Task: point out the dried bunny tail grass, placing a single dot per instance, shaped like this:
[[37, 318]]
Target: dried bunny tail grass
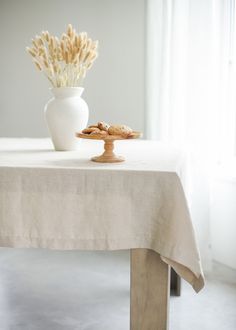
[[91, 59], [56, 68], [45, 56], [89, 65], [51, 70], [84, 44], [57, 41], [84, 36], [62, 46], [73, 34], [79, 41], [88, 43], [59, 56], [70, 46], [69, 30], [40, 41], [47, 36], [52, 42], [63, 61], [95, 44], [82, 56], [76, 58], [37, 65], [83, 72], [76, 41], [34, 43], [41, 51], [94, 57], [66, 57], [31, 51], [46, 64], [88, 56], [64, 37]]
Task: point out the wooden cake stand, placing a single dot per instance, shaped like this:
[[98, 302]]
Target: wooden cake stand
[[108, 155]]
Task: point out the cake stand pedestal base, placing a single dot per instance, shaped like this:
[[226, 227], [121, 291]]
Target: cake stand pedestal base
[[108, 156]]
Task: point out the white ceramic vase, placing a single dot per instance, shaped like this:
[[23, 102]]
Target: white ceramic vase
[[66, 113]]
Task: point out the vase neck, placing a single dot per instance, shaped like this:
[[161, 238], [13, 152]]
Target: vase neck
[[64, 92]]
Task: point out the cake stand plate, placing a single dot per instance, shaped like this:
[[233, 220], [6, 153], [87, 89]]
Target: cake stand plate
[[108, 155]]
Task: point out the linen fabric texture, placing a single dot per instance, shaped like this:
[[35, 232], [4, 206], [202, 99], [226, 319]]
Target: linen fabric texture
[[62, 200]]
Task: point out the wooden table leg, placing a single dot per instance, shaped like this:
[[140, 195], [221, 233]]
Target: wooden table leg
[[149, 290], [175, 283]]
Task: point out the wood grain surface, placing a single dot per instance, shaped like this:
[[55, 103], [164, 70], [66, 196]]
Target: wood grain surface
[[150, 291]]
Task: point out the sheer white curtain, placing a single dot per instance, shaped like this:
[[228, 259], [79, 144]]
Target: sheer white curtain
[[188, 50]]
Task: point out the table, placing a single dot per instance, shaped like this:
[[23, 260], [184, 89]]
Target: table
[[62, 200]]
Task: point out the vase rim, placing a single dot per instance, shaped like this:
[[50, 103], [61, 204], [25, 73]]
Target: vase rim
[[66, 91], [66, 87]]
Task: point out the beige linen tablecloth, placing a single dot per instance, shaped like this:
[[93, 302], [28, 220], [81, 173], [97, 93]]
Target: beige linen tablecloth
[[62, 200]]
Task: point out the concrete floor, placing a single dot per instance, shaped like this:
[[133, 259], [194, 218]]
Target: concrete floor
[[72, 290]]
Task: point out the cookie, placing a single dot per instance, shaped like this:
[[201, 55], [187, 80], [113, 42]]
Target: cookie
[[103, 126], [121, 130], [102, 133], [89, 130]]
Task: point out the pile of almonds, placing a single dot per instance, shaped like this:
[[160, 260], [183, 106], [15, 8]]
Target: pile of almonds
[[103, 129]]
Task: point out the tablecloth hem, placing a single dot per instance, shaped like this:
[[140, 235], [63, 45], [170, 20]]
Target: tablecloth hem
[[196, 280]]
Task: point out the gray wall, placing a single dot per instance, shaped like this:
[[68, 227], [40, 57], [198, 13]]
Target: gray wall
[[114, 88]]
